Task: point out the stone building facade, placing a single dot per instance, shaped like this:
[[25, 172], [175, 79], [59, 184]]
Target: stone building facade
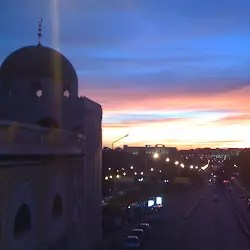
[[50, 155]]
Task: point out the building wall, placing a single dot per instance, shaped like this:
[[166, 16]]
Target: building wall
[[37, 186], [76, 181], [93, 133], [23, 105]]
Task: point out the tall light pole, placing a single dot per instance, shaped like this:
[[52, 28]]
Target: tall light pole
[[118, 140]]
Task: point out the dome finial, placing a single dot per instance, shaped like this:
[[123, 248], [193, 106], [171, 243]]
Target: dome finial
[[39, 33]]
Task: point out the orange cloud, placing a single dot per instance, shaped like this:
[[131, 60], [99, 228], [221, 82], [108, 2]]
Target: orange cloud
[[229, 129]]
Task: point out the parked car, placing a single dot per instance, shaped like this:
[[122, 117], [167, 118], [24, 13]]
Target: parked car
[[145, 227], [131, 242], [139, 233]]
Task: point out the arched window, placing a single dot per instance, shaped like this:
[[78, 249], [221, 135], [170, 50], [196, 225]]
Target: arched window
[[48, 122], [22, 221], [39, 93], [66, 93], [57, 206]]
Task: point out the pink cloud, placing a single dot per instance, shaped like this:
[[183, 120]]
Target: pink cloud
[[182, 133]]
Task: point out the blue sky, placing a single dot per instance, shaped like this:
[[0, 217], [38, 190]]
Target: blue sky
[[161, 56]]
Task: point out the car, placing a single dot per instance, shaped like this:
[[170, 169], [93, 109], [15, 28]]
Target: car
[[144, 226], [131, 242], [139, 233]]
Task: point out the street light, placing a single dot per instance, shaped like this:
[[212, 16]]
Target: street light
[[191, 167], [119, 140], [182, 165], [176, 163], [156, 155], [167, 160]]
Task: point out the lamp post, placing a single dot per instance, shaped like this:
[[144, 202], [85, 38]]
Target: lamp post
[[118, 140]]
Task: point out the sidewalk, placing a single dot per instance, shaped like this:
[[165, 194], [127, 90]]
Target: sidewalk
[[241, 206]]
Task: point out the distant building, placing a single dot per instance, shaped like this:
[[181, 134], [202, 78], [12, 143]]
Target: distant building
[[214, 153], [106, 149], [50, 155], [160, 149]]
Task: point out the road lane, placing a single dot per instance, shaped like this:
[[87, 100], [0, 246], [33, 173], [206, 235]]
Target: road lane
[[214, 226], [166, 232], [165, 229]]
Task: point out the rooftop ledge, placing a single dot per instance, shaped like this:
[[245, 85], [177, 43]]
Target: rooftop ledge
[[25, 139]]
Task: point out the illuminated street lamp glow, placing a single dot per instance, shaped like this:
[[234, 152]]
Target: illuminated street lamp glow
[[118, 176], [117, 171], [135, 173], [191, 167], [156, 155], [106, 177], [176, 163], [109, 169], [196, 167], [160, 171], [141, 173], [151, 169], [167, 160], [182, 165], [131, 167], [110, 176], [124, 173]]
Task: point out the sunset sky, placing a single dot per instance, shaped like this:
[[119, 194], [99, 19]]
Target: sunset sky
[[175, 72]]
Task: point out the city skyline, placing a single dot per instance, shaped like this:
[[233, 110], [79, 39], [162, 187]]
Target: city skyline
[[165, 72]]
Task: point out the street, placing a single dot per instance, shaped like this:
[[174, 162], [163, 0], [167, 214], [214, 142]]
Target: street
[[211, 226]]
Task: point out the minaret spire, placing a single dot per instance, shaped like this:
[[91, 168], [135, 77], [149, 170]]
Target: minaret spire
[[39, 33]]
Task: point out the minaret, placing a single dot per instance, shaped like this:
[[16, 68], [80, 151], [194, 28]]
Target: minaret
[[39, 33]]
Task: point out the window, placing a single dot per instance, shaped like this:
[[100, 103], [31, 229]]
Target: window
[[66, 93], [22, 221], [39, 93], [57, 206]]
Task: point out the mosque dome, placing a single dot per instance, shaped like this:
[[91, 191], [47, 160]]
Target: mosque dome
[[38, 62]]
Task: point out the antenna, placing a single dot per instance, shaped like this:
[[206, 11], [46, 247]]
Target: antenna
[[39, 33]]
